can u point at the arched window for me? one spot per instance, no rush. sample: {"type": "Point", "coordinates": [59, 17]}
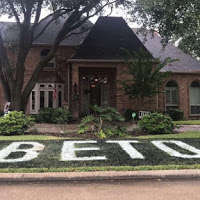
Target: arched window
{"type": "Point", "coordinates": [51, 63]}
{"type": "Point", "coordinates": [195, 98]}
{"type": "Point", "coordinates": [171, 91]}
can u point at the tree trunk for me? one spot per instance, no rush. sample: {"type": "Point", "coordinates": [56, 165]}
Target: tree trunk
{"type": "Point", "coordinates": [16, 100]}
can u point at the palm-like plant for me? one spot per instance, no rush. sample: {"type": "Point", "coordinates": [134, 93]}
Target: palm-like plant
{"type": "Point", "coordinates": [103, 123]}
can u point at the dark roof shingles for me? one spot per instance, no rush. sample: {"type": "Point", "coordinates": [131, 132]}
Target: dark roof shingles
{"type": "Point", "coordinates": [185, 63]}
{"type": "Point", "coordinates": [106, 40]}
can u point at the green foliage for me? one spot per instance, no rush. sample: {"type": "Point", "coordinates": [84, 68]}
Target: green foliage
{"type": "Point", "coordinates": [54, 115]}
{"type": "Point", "coordinates": [173, 19]}
{"type": "Point", "coordinates": [103, 122]}
{"type": "Point", "coordinates": [145, 77]}
{"type": "Point", "coordinates": [61, 116]}
{"type": "Point", "coordinates": [15, 123]}
{"type": "Point", "coordinates": [44, 115]}
{"type": "Point", "coordinates": [1, 113]}
{"type": "Point", "coordinates": [156, 123]}
{"type": "Point", "coordinates": [176, 114]}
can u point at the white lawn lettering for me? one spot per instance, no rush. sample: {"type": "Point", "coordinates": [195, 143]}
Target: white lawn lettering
{"type": "Point", "coordinates": [128, 148]}
{"type": "Point", "coordinates": [69, 150]}
{"type": "Point", "coordinates": [30, 153]}
{"type": "Point", "coordinates": [161, 145]}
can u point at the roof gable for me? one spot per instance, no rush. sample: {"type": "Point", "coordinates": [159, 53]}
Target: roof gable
{"type": "Point", "coordinates": [107, 39]}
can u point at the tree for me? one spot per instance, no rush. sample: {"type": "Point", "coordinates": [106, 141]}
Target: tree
{"type": "Point", "coordinates": [173, 19]}
{"type": "Point", "coordinates": [144, 75]}
{"type": "Point", "coordinates": [27, 11]}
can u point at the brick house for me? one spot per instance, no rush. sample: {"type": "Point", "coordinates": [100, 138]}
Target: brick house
{"type": "Point", "coordinates": [86, 67]}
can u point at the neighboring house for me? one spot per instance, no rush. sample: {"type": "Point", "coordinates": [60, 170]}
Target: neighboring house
{"type": "Point", "coordinates": [87, 66]}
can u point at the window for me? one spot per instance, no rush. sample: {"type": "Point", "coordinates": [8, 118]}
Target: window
{"type": "Point", "coordinates": [46, 95]}
{"type": "Point", "coordinates": [195, 98]}
{"type": "Point", "coordinates": [51, 63]}
{"type": "Point", "coordinates": [33, 100]}
{"type": "Point", "coordinates": [171, 92]}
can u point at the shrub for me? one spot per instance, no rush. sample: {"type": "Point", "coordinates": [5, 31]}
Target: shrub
{"type": "Point", "coordinates": [103, 122]}
{"type": "Point", "coordinates": [156, 123]}
{"type": "Point", "coordinates": [164, 112]}
{"type": "Point", "coordinates": [128, 114]}
{"type": "Point", "coordinates": [61, 116]}
{"type": "Point", "coordinates": [176, 114]}
{"type": "Point", "coordinates": [44, 115]}
{"type": "Point", "coordinates": [53, 115]}
{"type": "Point", "coordinates": [15, 123]}
{"type": "Point", "coordinates": [1, 113]}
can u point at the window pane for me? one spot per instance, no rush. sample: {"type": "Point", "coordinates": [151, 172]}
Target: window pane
{"type": "Point", "coordinates": [194, 95]}
{"type": "Point", "coordinates": [171, 96]}
{"type": "Point", "coordinates": [33, 101]}
{"type": "Point", "coordinates": [174, 99]}
{"type": "Point", "coordinates": [167, 96]}
{"type": "Point", "coordinates": [195, 110]}
{"type": "Point", "coordinates": [50, 99]}
{"type": "Point", "coordinates": [59, 99]}
{"type": "Point", "coordinates": [41, 99]}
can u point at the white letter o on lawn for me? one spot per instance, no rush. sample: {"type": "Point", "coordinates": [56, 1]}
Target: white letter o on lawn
{"type": "Point", "coordinates": [160, 144]}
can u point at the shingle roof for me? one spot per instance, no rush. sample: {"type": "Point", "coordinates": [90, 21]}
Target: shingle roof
{"type": "Point", "coordinates": [10, 32]}
{"type": "Point", "coordinates": [186, 62]}
{"type": "Point", "coordinates": [110, 28]}
{"type": "Point", "coordinates": [106, 40]}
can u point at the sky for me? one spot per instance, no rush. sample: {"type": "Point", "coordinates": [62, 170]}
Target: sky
{"type": "Point", "coordinates": [116, 13]}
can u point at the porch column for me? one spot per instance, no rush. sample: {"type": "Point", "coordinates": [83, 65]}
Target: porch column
{"type": "Point", "coordinates": [75, 92]}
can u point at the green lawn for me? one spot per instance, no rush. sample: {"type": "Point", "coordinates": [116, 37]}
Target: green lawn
{"type": "Point", "coordinates": [50, 156]}
{"type": "Point", "coordinates": [117, 159]}
{"type": "Point", "coordinates": [189, 134]}
{"type": "Point", "coordinates": [188, 122]}
{"type": "Point", "coordinates": [29, 138]}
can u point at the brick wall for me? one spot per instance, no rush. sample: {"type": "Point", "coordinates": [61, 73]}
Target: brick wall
{"type": "Point", "coordinates": [119, 99]}
{"type": "Point", "coordinates": [33, 58]}
{"type": "Point", "coordinates": [183, 81]}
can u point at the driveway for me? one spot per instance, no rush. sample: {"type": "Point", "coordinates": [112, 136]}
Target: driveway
{"type": "Point", "coordinates": [184, 128]}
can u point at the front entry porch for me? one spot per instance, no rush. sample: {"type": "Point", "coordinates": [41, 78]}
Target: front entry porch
{"type": "Point", "coordinates": [95, 86]}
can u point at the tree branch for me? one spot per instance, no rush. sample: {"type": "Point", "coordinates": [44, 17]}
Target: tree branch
{"type": "Point", "coordinates": [14, 12]}
{"type": "Point", "coordinates": [53, 19]}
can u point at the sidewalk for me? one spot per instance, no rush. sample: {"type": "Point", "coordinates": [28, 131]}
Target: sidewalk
{"type": "Point", "coordinates": [98, 176]}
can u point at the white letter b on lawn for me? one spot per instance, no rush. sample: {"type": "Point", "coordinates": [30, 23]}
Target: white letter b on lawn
{"type": "Point", "coordinates": [160, 144]}
{"type": "Point", "coordinates": [30, 153]}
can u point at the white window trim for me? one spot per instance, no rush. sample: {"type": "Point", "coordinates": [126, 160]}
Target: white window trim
{"type": "Point", "coordinates": [171, 89]}
{"type": "Point", "coordinates": [46, 90]}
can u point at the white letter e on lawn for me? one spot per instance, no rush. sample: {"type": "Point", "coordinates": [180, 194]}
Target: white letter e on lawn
{"type": "Point", "coordinates": [30, 153]}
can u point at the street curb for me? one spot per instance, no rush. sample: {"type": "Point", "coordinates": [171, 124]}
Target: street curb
{"type": "Point", "coordinates": [98, 176]}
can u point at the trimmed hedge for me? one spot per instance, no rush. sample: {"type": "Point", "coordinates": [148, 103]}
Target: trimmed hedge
{"type": "Point", "coordinates": [156, 123]}
{"type": "Point", "coordinates": [54, 116]}
{"type": "Point", "coordinates": [15, 123]}
{"type": "Point", "coordinates": [176, 114]}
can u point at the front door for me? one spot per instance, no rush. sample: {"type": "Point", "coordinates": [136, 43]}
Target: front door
{"type": "Point", "coordinates": [94, 91]}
